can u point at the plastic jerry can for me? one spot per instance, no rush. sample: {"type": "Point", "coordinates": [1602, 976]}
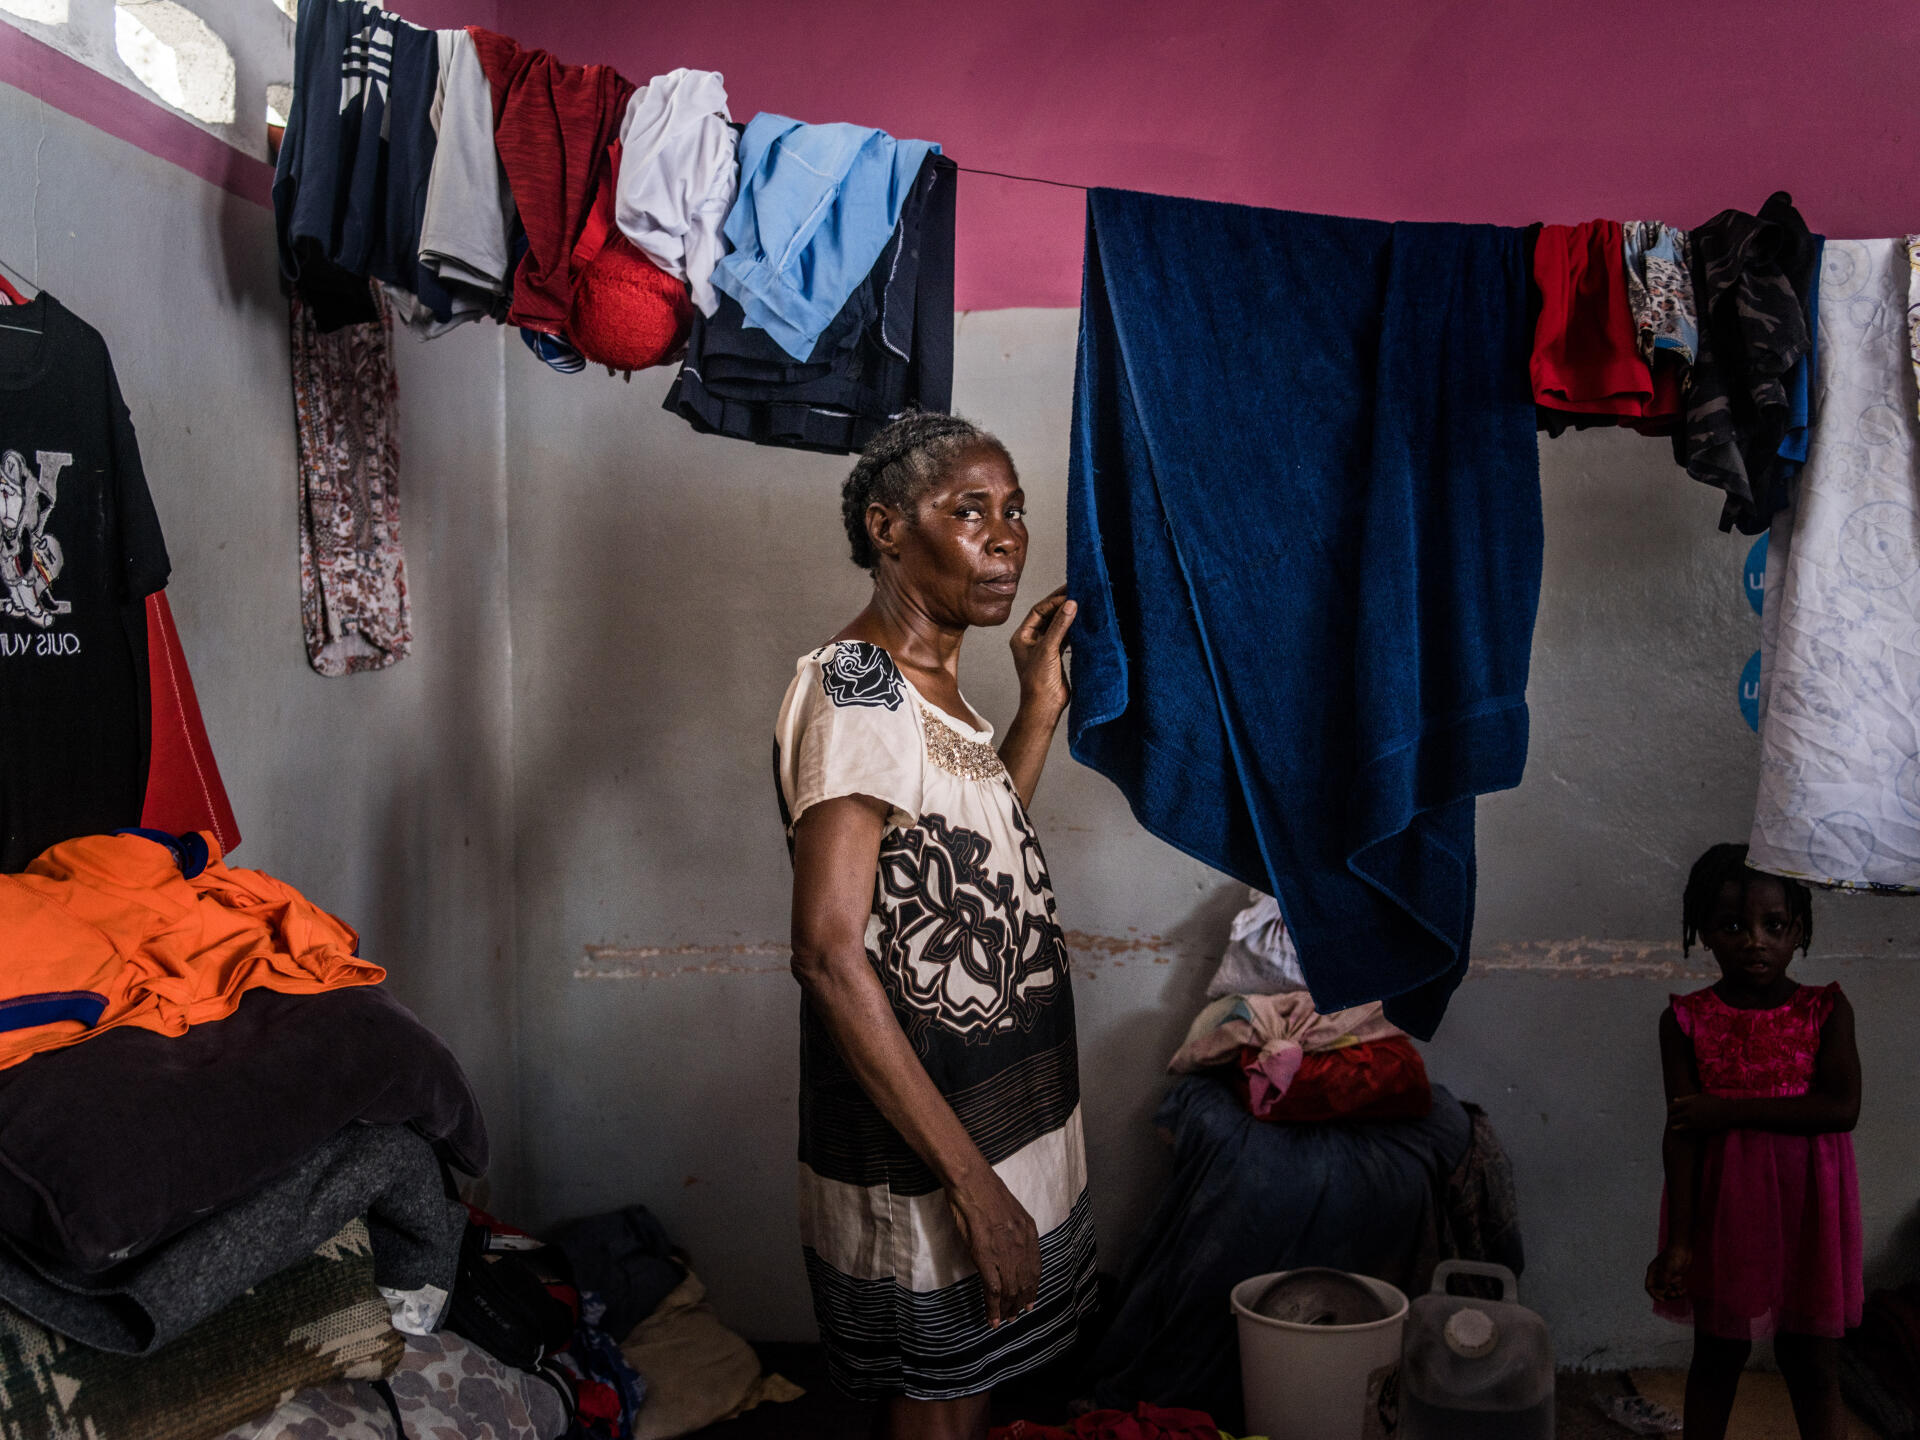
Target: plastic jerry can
{"type": "Point", "coordinates": [1473, 1369]}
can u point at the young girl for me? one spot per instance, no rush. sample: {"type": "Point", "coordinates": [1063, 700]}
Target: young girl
{"type": "Point", "coordinates": [1760, 1233]}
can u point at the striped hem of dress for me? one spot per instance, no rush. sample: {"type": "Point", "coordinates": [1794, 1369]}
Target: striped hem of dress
{"type": "Point", "coordinates": [870, 1233]}
{"type": "Point", "coordinates": [844, 1137]}
{"type": "Point", "coordinates": [884, 1340]}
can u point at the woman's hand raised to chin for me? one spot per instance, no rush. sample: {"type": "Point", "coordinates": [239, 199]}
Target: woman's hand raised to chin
{"type": "Point", "coordinates": [1037, 657]}
{"type": "Point", "coordinates": [1043, 690]}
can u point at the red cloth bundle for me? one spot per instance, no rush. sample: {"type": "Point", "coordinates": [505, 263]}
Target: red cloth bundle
{"type": "Point", "coordinates": [1376, 1080]}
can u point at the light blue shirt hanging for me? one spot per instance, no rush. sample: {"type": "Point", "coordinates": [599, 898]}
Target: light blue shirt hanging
{"type": "Point", "coordinates": [817, 204]}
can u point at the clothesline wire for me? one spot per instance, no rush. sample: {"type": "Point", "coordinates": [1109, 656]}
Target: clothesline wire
{"type": "Point", "coordinates": [19, 275]}
{"type": "Point", "coordinates": [1030, 179]}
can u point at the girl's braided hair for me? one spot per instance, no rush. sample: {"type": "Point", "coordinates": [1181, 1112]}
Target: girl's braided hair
{"type": "Point", "coordinates": [1725, 865]}
{"type": "Point", "coordinates": [900, 464]}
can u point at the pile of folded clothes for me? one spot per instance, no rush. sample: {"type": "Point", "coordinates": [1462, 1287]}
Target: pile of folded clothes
{"type": "Point", "coordinates": [229, 1167]}
{"type": "Point", "coordinates": [223, 1148]}
{"type": "Point", "coordinates": [227, 1162]}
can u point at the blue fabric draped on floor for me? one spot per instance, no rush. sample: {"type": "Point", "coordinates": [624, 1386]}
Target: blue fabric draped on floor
{"type": "Point", "coordinates": [1304, 534]}
{"type": "Point", "coordinates": [1248, 1198]}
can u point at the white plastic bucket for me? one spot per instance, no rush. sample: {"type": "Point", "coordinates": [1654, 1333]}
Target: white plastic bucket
{"type": "Point", "coordinates": [1311, 1382]}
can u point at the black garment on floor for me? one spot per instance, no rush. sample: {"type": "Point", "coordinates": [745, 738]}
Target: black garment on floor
{"type": "Point", "coordinates": [383, 1172]}
{"type": "Point", "coordinates": [109, 1148]}
{"type": "Point", "coordinates": [889, 350]}
{"type": "Point", "coordinates": [80, 550]}
{"type": "Point", "coordinates": [518, 1304]}
{"type": "Point", "coordinates": [1752, 278]}
{"type": "Point", "coordinates": [627, 1259]}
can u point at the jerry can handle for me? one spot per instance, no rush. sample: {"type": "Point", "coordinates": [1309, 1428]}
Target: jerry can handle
{"type": "Point", "coordinates": [1447, 1269]}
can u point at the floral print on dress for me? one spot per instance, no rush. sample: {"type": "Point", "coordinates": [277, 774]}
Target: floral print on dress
{"type": "Point", "coordinates": [862, 674]}
{"type": "Point", "coordinates": [1659, 265]}
{"type": "Point", "coordinates": [1747, 1054]}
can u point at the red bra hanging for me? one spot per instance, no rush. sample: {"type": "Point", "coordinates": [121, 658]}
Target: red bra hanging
{"type": "Point", "coordinates": [14, 297]}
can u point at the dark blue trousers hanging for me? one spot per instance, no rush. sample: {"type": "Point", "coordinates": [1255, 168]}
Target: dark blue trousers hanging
{"type": "Point", "coordinates": [1304, 534]}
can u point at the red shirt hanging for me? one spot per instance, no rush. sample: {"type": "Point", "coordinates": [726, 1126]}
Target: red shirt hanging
{"type": "Point", "coordinates": [184, 790]}
{"type": "Point", "coordinates": [552, 126]}
{"type": "Point", "coordinates": [1586, 359]}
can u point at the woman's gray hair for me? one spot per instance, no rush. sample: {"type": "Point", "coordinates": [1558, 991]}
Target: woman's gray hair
{"type": "Point", "coordinates": [900, 465]}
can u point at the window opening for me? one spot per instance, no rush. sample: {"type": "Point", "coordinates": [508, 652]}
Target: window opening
{"type": "Point", "coordinates": [174, 53]}
{"type": "Point", "coordinates": [44, 12]}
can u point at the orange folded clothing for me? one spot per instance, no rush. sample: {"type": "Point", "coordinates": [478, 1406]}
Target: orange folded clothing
{"type": "Point", "coordinates": [129, 929]}
{"type": "Point", "coordinates": [1374, 1080]}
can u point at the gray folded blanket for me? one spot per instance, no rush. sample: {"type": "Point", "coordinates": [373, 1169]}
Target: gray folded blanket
{"type": "Point", "coordinates": [385, 1172]}
{"type": "Point", "coordinates": [111, 1147]}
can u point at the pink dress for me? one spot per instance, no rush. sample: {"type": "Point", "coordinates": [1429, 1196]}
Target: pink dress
{"type": "Point", "coordinates": [1776, 1241]}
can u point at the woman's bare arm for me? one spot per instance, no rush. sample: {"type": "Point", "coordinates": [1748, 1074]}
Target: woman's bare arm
{"type": "Point", "coordinates": [1037, 646]}
{"type": "Point", "coordinates": [836, 853]}
{"type": "Point", "coordinates": [1024, 751]}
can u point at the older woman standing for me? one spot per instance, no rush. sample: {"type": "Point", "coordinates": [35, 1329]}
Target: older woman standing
{"type": "Point", "coordinates": [943, 1194]}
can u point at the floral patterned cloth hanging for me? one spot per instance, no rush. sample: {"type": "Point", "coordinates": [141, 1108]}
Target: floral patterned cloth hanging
{"type": "Point", "coordinates": [1659, 262]}
{"type": "Point", "coordinates": [353, 572]}
{"type": "Point", "coordinates": [1913, 304]}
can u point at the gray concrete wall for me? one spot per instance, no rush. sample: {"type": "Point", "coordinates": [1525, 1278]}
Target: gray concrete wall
{"type": "Point", "coordinates": [665, 583]}
{"type": "Point", "coordinates": [384, 797]}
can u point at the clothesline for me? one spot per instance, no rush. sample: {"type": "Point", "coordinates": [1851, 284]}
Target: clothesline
{"type": "Point", "coordinates": [1029, 179]}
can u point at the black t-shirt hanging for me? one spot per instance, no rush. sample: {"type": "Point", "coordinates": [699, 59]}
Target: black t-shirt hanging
{"type": "Point", "coordinates": [80, 550]}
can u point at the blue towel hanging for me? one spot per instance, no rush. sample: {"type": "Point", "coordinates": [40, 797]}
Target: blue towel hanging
{"type": "Point", "coordinates": [1304, 533]}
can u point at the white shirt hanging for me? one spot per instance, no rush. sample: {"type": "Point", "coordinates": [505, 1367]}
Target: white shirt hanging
{"type": "Point", "coordinates": [678, 176]}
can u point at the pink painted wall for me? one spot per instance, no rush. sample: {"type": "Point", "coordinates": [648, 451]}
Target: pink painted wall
{"type": "Point", "coordinates": [1497, 110]}
{"type": "Point", "coordinates": [1490, 110]}
{"type": "Point", "coordinates": [446, 14]}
